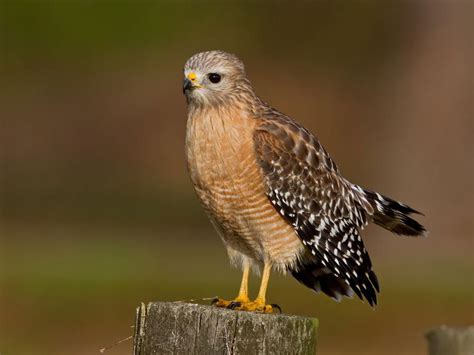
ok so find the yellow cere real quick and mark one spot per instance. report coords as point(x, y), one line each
point(191, 76)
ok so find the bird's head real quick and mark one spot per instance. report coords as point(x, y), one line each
point(214, 78)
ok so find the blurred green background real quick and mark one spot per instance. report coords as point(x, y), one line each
point(98, 214)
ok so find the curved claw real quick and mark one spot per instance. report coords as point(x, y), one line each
point(234, 305)
point(274, 305)
point(214, 301)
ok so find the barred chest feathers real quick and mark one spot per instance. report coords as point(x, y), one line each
point(214, 143)
point(229, 183)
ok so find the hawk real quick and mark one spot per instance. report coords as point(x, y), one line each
point(275, 196)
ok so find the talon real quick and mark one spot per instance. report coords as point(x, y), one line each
point(244, 304)
point(274, 305)
point(220, 303)
point(265, 309)
point(234, 305)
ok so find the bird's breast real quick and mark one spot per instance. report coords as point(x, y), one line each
point(220, 158)
point(229, 182)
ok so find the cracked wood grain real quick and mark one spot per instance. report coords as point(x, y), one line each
point(185, 328)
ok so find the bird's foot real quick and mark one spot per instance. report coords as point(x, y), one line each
point(258, 306)
point(219, 302)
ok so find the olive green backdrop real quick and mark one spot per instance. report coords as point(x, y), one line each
point(97, 212)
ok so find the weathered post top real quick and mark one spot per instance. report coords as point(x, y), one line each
point(185, 328)
point(446, 340)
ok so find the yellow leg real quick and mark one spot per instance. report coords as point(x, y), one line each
point(264, 284)
point(243, 296)
point(259, 305)
point(242, 302)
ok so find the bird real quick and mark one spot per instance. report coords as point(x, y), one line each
point(276, 198)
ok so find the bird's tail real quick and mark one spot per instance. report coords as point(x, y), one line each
point(394, 216)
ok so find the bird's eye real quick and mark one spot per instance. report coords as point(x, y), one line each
point(214, 78)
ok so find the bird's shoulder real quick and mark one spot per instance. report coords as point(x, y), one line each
point(297, 167)
point(290, 137)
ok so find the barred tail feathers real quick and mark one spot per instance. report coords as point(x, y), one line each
point(394, 216)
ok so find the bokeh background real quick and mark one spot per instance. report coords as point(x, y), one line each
point(97, 211)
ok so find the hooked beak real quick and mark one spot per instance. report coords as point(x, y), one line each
point(190, 82)
point(187, 85)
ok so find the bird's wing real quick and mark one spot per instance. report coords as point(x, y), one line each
point(326, 211)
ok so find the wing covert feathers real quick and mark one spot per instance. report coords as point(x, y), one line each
point(304, 186)
point(326, 211)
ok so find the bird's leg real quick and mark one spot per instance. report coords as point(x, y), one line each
point(262, 292)
point(242, 297)
point(259, 304)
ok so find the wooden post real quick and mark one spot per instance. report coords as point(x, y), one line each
point(451, 341)
point(185, 328)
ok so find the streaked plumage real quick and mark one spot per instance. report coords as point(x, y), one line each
point(271, 189)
